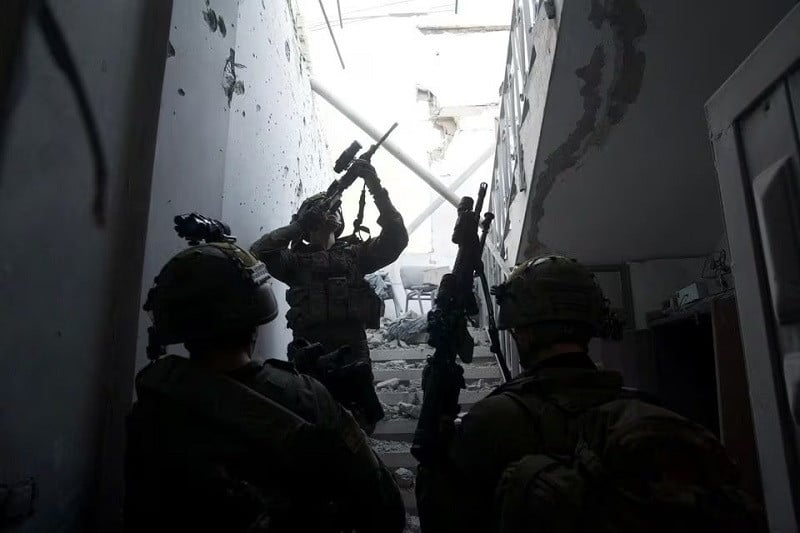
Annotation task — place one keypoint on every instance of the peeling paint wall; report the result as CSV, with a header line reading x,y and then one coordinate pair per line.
x,y
69,288
238,136
621,169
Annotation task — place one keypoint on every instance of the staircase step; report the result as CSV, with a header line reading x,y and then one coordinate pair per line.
x,y
419,353
467,397
408,374
399,429
399,460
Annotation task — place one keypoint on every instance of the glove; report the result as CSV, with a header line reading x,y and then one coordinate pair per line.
x,y
364,170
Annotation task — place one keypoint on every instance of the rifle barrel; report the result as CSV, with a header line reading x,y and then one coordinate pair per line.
x,y
377,145
481,196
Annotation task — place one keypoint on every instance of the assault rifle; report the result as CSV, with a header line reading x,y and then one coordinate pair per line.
x,y
443,377
343,163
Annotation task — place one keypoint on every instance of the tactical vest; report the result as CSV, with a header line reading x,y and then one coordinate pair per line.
x,y
329,288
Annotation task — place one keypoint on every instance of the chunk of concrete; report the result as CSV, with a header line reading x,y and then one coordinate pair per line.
x,y
390,384
409,410
404,478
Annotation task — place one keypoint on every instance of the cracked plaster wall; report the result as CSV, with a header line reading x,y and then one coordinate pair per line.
x,y
248,160
621,168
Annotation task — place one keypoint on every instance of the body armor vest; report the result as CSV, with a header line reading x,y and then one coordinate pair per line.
x,y
329,288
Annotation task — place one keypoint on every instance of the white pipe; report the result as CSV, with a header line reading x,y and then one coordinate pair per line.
x,y
390,146
417,222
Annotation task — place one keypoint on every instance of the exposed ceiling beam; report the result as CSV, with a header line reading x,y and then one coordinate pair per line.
x,y
390,145
436,204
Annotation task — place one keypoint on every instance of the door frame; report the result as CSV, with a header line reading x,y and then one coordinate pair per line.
x,y
761,72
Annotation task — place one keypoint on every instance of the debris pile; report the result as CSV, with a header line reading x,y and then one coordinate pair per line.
x,y
379,281
389,446
410,330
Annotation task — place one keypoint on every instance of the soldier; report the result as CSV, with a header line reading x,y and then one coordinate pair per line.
x,y
564,447
330,301
220,442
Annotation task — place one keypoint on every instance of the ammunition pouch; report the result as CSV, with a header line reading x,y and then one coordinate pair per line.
x,y
333,300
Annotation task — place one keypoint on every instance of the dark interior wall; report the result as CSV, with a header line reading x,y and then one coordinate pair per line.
x,y
65,282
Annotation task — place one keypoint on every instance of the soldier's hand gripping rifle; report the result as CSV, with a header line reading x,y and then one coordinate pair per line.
x,y
443,377
351,172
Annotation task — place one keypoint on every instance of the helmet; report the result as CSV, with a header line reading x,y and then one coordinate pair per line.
x,y
315,202
551,289
206,291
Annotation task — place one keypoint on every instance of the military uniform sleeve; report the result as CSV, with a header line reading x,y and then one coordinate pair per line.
x,y
385,248
369,494
273,250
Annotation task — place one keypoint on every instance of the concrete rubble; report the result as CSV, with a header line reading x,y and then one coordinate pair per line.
x,y
412,524
408,410
389,446
389,384
405,478
409,330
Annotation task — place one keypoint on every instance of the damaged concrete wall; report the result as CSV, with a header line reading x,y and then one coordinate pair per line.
x,y
238,139
622,165
276,153
70,288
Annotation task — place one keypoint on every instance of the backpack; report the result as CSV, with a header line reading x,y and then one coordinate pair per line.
x,y
610,463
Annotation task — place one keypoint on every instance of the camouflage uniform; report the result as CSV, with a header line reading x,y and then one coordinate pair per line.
x,y
330,301
259,448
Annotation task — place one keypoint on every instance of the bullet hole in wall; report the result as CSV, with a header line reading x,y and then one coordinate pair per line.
x,y
210,16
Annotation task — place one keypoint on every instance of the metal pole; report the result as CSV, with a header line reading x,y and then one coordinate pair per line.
x,y
339,9
333,38
390,146
428,211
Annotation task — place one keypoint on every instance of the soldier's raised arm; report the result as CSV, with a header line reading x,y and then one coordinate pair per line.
x,y
384,249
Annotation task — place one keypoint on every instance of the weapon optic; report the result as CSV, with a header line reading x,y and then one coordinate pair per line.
x,y
196,228
344,163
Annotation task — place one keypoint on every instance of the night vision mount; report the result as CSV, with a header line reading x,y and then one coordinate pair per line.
x,y
196,228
